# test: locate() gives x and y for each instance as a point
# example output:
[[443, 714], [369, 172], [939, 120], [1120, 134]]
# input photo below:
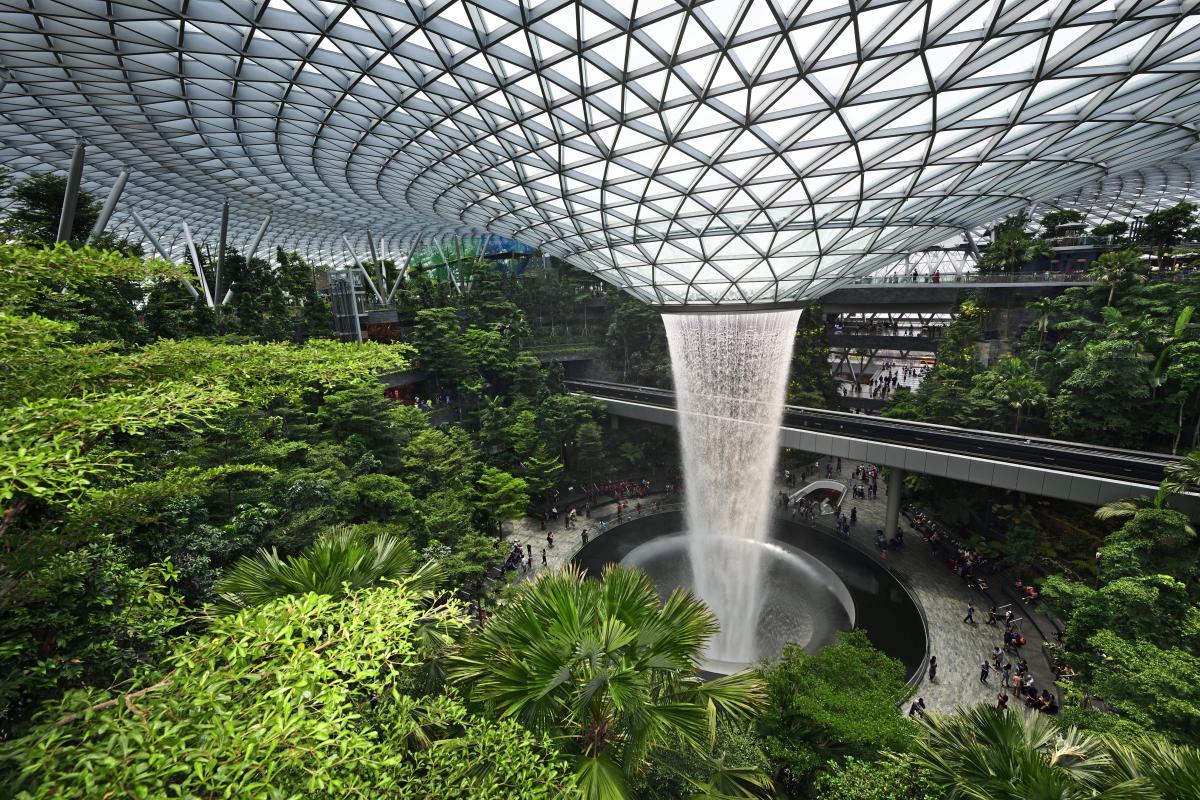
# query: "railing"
[[560, 346], [972, 277], [1083, 240], [906, 332]]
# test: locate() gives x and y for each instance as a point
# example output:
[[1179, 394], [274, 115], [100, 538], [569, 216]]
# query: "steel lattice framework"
[[733, 151], [1121, 198]]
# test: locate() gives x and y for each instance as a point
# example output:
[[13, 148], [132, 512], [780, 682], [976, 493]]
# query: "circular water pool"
[[812, 586]]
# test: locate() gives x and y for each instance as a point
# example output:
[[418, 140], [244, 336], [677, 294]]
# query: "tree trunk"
[[1017, 424], [1196, 430], [1111, 291], [1178, 430]]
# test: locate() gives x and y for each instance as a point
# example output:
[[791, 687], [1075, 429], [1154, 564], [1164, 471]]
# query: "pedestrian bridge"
[[1080, 473]]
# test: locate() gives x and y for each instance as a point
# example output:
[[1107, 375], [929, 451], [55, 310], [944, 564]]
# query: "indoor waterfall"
[[730, 371]]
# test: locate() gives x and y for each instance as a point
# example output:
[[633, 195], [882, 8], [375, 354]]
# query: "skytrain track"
[[1105, 462]]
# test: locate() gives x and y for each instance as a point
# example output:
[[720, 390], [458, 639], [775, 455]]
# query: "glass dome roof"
[[733, 151]]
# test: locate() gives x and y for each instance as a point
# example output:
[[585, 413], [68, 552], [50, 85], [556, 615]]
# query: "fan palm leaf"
[[341, 559], [606, 668], [984, 754]]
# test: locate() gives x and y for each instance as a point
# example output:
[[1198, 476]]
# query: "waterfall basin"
[[812, 587]]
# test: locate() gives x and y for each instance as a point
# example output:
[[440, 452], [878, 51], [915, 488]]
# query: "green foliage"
[[736, 768], [1051, 221], [1166, 227], [984, 754], [341, 560], [31, 274], [56, 444], [1115, 229], [893, 777], [37, 205], [304, 696], [1133, 638], [607, 670], [81, 615], [1156, 688], [501, 495], [1010, 389], [465, 562], [636, 344], [1118, 269], [1111, 376], [811, 383], [1011, 248], [841, 701], [437, 338]]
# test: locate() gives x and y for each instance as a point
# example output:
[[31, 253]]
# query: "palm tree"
[[341, 559], [608, 671], [1016, 387], [1045, 308], [985, 754], [1183, 476], [1173, 770], [1117, 268]]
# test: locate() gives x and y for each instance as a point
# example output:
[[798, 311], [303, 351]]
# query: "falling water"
[[730, 373]]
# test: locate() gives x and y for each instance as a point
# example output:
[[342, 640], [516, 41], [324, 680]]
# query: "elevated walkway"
[[879, 341], [895, 294], [1068, 471]]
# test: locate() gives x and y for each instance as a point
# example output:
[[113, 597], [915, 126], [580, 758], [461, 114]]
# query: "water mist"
[[730, 372]]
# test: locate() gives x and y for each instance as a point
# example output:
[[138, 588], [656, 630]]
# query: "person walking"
[[984, 670], [543, 556], [997, 655], [991, 620], [1002, 701], [933, 669], [584, 536], [970, 617], [529, 552], [550, 540]]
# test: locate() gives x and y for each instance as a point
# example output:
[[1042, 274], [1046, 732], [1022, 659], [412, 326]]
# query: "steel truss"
[[733, 151]]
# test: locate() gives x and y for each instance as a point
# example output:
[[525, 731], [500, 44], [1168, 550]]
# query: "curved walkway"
[[959, 647]]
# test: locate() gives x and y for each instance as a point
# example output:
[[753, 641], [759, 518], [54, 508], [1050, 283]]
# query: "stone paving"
[[943, 596]]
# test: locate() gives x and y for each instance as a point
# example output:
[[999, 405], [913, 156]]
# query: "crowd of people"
[[1016, 677], [432, 403]]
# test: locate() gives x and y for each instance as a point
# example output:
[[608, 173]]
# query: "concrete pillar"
[[66, 219], [895, 493]]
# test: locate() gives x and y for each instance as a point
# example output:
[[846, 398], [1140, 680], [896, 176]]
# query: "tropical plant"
[[608, 671], [1045, 308], [341, 560], [1012, 386], [1126, 508], [1012, 248], [1184, 475], [840, 701], [307, 696], [1173, 770], [984, 754], [1118, 269], [1166, 227]]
